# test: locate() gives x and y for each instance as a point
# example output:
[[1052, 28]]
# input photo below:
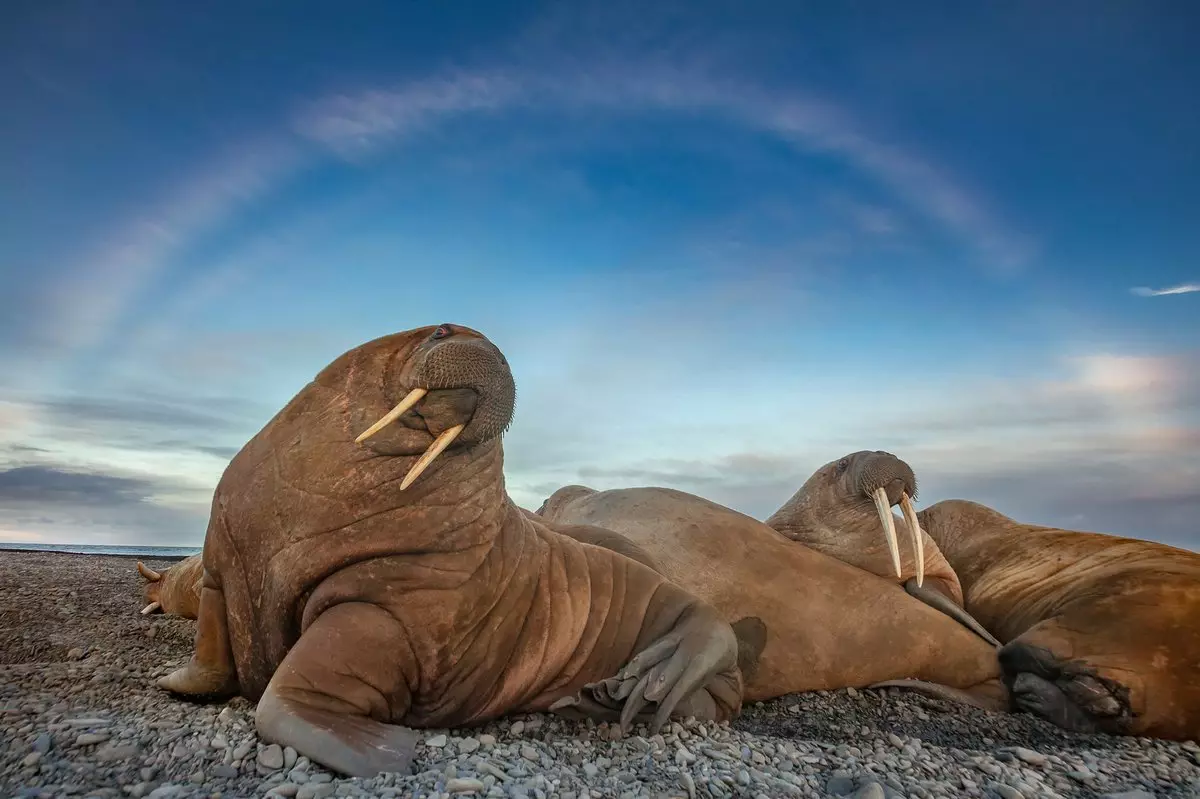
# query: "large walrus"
[[351, 588], [1101, 632], [828, 624], [175, 590], [840, 511]]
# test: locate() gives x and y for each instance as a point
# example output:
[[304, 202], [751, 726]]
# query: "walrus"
[[1101, 632], [365, 573], [827, 624], [175, 590], [843, 506]]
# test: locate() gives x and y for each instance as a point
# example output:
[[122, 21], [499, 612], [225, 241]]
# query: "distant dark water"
[[141, 551]]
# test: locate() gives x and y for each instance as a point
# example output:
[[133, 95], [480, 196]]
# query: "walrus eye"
[[441, 332], [843, 464]]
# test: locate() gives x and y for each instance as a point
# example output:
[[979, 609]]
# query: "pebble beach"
[[80, 717]]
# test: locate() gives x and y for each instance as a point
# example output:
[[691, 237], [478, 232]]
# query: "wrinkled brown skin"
[[1101, 633], [828, 624], [834, 513], [348, 608], [178, 591]]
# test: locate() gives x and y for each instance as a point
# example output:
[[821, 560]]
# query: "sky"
[[721, 244]]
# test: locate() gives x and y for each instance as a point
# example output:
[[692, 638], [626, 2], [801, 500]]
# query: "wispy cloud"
[[1183, 288], [1105, 442]]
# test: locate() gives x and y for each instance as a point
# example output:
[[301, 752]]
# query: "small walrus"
[[843, 506], [365, 569], [175, 590], [1101, 633], [824, 624]]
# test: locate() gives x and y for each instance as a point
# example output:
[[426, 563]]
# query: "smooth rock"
[[464, 785], [271, 757]]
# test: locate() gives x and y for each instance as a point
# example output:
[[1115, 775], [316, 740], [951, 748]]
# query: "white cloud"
[[1183, 288]]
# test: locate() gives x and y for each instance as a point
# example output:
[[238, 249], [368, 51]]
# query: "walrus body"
[[175, 590], [1101, 632], [828, 624], [348, 603], [843, 507]]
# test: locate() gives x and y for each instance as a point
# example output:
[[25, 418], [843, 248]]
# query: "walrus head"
[[850, 492], [448, 386], [153, 588]]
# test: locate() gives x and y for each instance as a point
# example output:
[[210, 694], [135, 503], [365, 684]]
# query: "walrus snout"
[[887, 480], [460, 384]]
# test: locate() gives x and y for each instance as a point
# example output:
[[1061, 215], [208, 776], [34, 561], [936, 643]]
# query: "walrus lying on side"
[[1101, 632], [828, 624], [840, 511], [350, 588], [175, 590]]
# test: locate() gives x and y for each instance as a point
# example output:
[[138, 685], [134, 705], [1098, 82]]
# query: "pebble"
[[91, 738], [271, 757], [437, 741], [464, 785]]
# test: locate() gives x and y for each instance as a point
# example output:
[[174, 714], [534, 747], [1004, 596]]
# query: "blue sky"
[[721, 244]]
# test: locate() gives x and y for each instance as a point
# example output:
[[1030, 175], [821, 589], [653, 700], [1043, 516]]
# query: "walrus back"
[[822, 615]]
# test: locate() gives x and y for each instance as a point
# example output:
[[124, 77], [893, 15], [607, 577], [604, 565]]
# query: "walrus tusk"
[[435, 449], [889, 525], [153, 606], [914, 527], [411, 399], [148, 573]]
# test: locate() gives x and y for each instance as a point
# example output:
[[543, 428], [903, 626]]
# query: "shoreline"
[[80, 714], [31, 550]]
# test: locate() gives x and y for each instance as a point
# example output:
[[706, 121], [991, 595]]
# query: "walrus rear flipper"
[[939, 601], [991, 695], [1068, 693]]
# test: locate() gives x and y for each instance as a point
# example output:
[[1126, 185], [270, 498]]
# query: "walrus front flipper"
[[691, 671], [986, 696], [1067, 693], [333, 694], [939, 601], [211, 673]]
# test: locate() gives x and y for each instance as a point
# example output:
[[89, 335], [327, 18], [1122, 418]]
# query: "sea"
[[136, 550]]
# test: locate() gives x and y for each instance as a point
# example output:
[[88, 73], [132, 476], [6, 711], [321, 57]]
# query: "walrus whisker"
[[914, 528], [153, 606], [410, 399], [889, 525], [148, 573], [435, 449]]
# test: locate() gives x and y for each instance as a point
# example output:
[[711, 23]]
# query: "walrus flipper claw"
[[690, 671], [939, 601]]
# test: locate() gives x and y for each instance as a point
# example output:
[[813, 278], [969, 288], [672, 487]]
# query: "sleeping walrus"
[[828, 624], [840, 511], [175, 590], [1101, 632], [351, 588]]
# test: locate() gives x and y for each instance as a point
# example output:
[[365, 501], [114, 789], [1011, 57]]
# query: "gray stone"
[[464, 785], [870, 790], [840, 786], [91, 738], [271, 757]]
